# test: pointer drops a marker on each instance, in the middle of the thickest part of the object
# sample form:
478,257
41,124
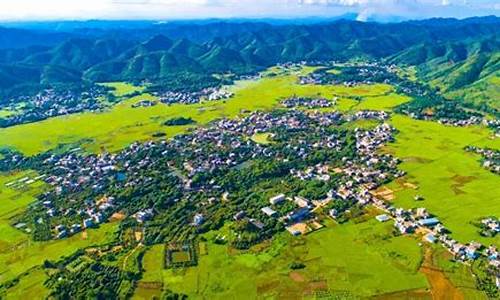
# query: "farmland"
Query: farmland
121,89
454,185
122,124
360,258
336,258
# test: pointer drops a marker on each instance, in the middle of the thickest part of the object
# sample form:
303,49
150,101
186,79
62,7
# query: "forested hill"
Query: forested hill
161,51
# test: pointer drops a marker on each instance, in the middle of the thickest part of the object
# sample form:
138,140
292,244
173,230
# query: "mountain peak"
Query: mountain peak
157,43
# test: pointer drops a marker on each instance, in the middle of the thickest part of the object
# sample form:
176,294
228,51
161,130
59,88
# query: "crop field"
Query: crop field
12,202
18,253
121,89
122,124
261,138
354,259
452,181
357,259
30,286
28,254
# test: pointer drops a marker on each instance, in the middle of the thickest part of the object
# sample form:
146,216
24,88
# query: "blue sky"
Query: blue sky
186,9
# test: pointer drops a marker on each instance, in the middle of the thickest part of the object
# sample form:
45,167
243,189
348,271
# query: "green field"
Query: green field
12,202
362,259
261,138
455,186
121,89
18,253
122,124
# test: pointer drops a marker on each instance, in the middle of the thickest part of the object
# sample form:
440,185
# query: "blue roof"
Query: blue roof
428,222
430,238
382,218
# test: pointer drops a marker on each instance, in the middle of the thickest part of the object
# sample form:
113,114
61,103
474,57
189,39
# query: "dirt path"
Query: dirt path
441,286
125,260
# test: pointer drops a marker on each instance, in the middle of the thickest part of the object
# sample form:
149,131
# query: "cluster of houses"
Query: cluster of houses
71,172
491,226
302,211
419,220
357,74
473,120
368,115
92,213
210,94
310,103
317,172
491,158
50,103
144,103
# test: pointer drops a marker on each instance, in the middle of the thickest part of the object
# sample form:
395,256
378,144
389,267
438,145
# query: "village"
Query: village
209,94
491,158
206,168
50,103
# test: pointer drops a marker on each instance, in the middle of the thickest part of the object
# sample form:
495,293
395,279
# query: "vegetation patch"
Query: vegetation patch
180,121
181,254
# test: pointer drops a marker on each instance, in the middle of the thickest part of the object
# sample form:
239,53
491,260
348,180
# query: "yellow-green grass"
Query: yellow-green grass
261,138
363,259
30,286
383,102
460,275
13,202
28,254
4,113
334,71
18,253
455,186
121,89
123,124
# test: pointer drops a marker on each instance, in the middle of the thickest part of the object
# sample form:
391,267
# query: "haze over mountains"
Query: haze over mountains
139,50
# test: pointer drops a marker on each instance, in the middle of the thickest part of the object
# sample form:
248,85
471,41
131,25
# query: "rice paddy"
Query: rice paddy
359,260
454,185
353,260
121,125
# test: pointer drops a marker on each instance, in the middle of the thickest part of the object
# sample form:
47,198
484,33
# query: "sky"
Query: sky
194,9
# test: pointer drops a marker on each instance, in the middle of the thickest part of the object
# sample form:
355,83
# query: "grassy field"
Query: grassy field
18,253
12,202
455,186
4,113
122,124
358,259
261,138
28,254
121,89
30,286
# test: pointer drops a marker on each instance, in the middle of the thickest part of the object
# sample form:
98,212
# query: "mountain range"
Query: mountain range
452,54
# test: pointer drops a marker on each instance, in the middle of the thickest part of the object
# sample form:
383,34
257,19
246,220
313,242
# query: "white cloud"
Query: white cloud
175,9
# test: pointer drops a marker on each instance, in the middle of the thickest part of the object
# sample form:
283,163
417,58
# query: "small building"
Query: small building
198,219
258,224
298,214
239,215
143,216
471,252
62,234
87,223
428,222
430,238
382,218
277,199
300,201
269,211
76,228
